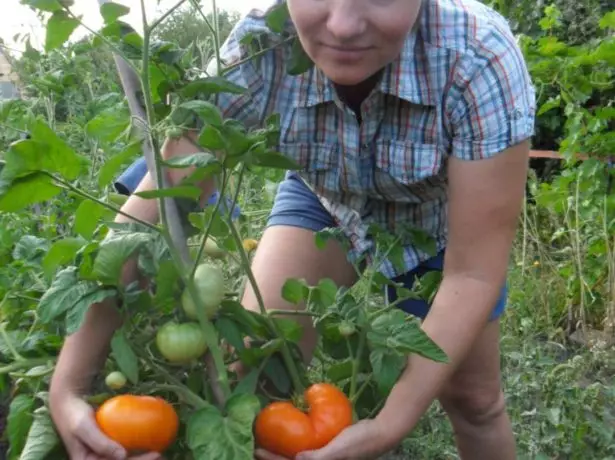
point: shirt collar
(406, 78)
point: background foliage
(558, 333)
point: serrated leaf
(66, 293)
(294, 291)
(167, 286)
(393, 331)
(42, 437)
(114, 252)
(19, 421)
(44, 152)
(124, 356)
(247, 384)
(30, 247)
(61, 252)
(111, 11)
(201, 160)
(387, 367)
(76, 315)
(114, 163)
(206, 111)
(59, 29)
(211, 435)
(34, 188)
(179, 191)
(87, 216)
(277, 17)
(109, 124)
(210, 85)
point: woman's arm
(85, 351)
(485, 198)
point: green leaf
(111, 11)
(50, 6)
(211, 435)
(211, 138)
(608, 20)
(34, 188)
(59, 29)
(114, 252)
(387, 367)
(29, 248)
(275, 160)
(125, 356)
(113, 164)
(394, 331)
(19, 422)
(290, 329)
(87, 216)
(230, 332)
(210, 85)
(295, 291)
(340, 370)
(206, 162)
(109, 124)
(76, 315)
(300, 62)
(277, 17)
(207, 112)
(44, 152)
(179, 191)
(167, 286)
(42, 437)
(247, 385)
(277, 373)
(61, 252)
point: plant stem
(25, 364)
(361, 389)
(113, 208)
(158, 21)
(8, 342)
(291, 313)
(176, 240)
(285, 350)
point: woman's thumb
(93, 438)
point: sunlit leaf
(59, 29)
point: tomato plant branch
(172, 230)
(291, 313)
(9, 343)
(25, 364)
(168, 13)
(72, 188)
(285, 350)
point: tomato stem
(291, 366)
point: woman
(414, 113)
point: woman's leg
(287, 250)
(473, 397)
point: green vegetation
(57, 204)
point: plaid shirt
(460, 87)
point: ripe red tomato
(283, 429)
(139, 423)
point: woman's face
(351, 40)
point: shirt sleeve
(492, 104)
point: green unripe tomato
(181, 343)
(209, 282)
(346, 329)
(115, 380)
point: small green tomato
(115, 380)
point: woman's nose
(346, 21)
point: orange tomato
(139, 423)
(283, 429)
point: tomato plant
(209, 282)
(139, 423)
(283, 429)
(181, 343)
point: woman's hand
(74, 419)
(363, 440)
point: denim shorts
(297, 206)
